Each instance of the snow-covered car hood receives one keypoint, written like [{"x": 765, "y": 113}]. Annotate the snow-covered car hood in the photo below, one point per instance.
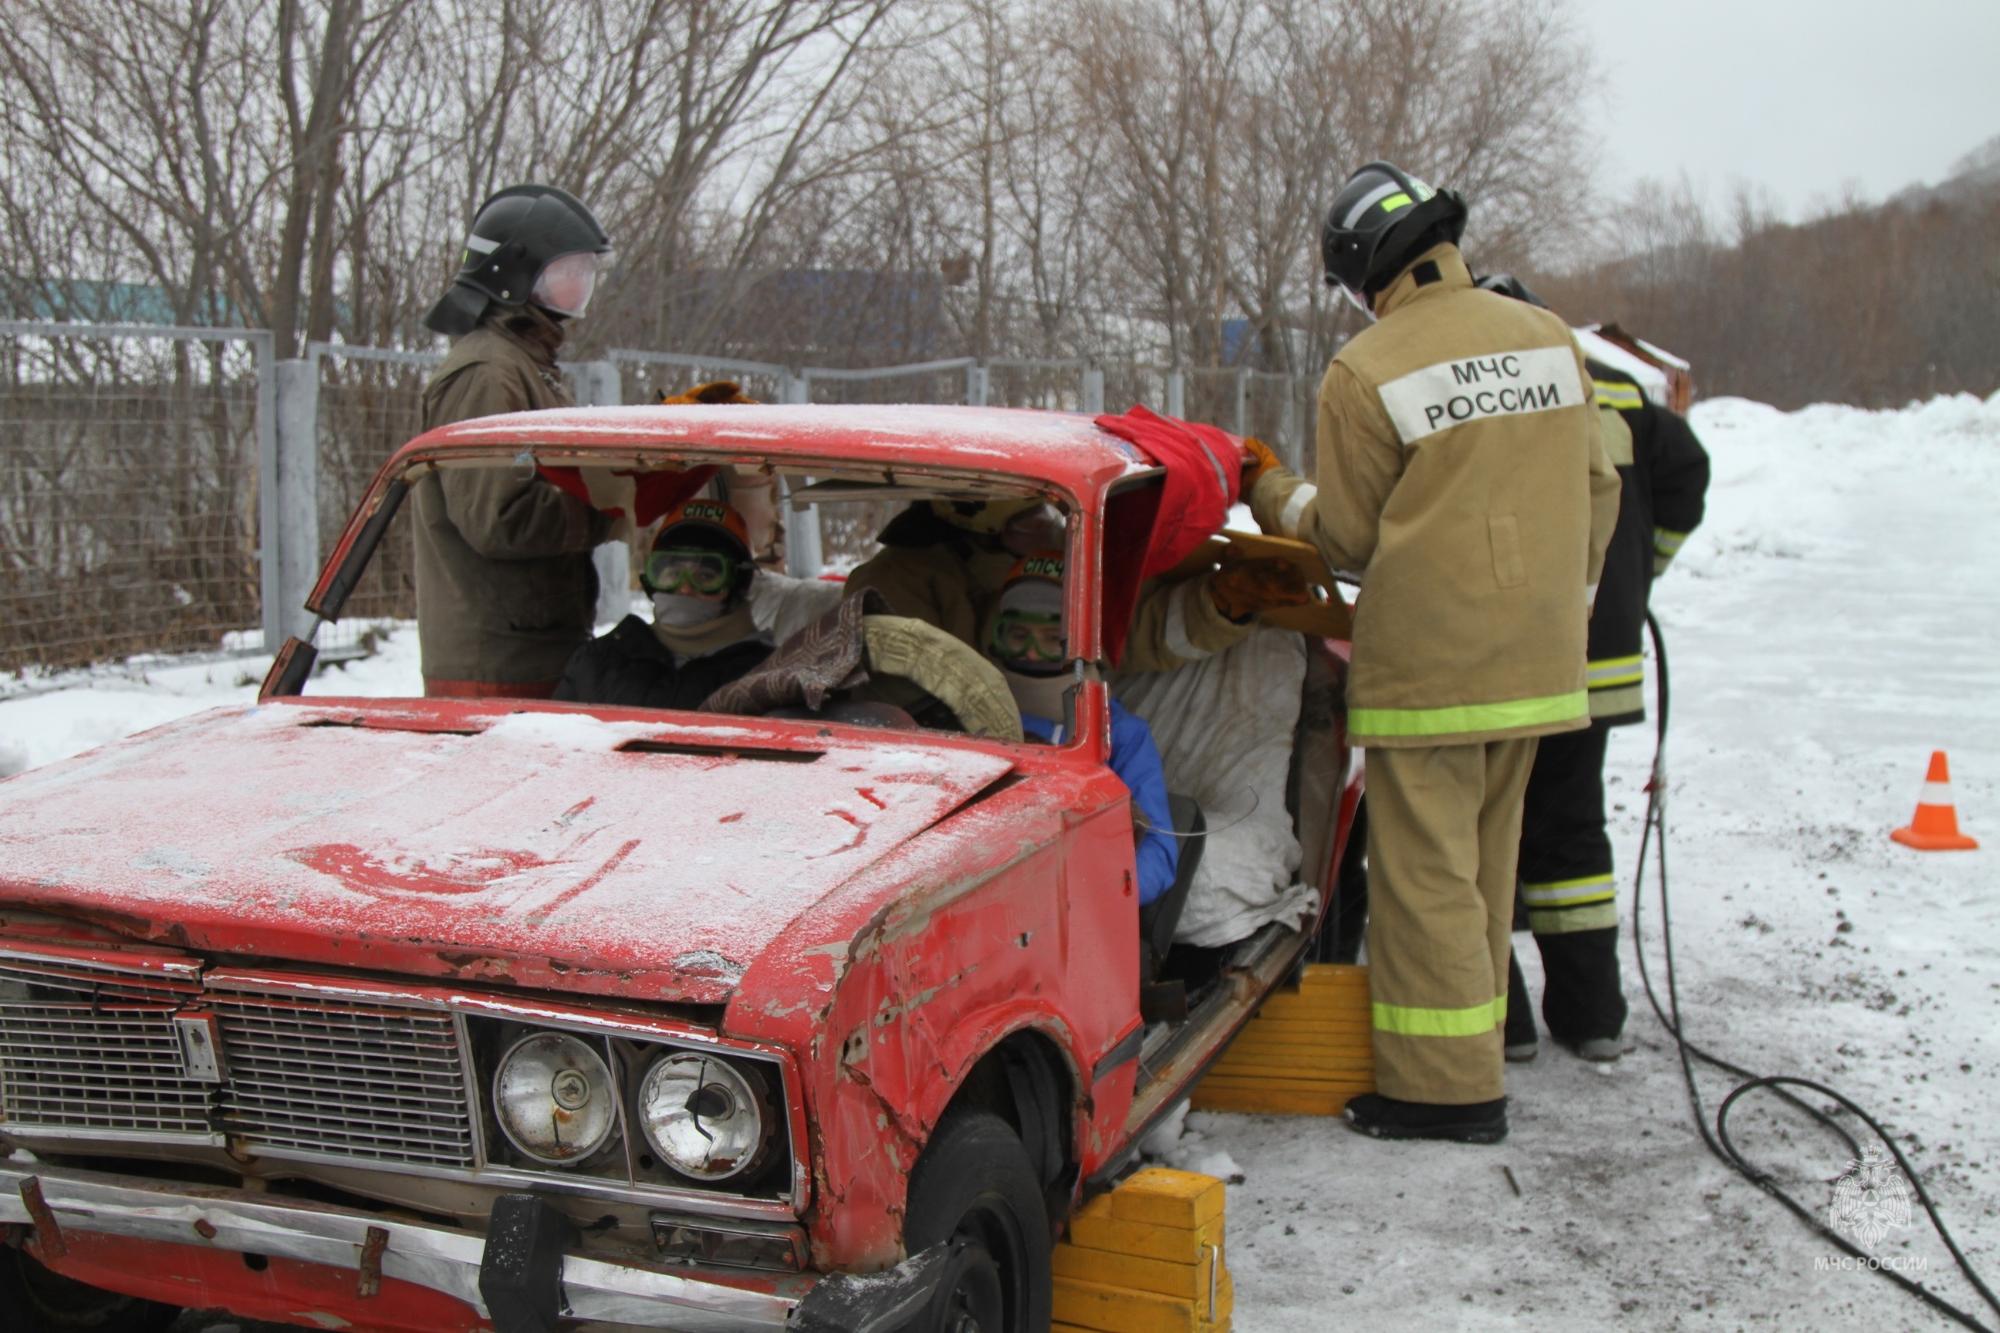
[{"x": 545, "y": 848}]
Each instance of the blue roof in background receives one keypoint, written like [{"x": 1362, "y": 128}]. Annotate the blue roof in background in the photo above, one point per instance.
[{"x": 87, "y": 301}]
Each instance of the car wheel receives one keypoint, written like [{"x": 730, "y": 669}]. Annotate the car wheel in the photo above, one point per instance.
[
  {"x": 974, "y": 1189},
  {"x": 34, "y": 1297}
]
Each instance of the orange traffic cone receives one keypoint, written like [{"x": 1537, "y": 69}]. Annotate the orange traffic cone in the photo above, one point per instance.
[{"x": 1934, "y": 828}]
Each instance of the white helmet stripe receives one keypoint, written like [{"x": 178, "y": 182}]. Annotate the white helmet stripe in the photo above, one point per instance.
[{"x": 1368, "y": 201}]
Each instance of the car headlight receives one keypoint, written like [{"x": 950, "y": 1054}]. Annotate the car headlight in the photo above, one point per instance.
[
  {"x": 552, "y": 1096},
  {"x": 706, "y": 1117}
]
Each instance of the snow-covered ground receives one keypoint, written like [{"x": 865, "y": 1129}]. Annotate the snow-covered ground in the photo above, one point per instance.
[{"x": 1831, "y": 624}]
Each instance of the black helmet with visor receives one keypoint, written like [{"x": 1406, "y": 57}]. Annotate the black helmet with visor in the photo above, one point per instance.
[
  {"x": 1381, "y": 220},
  {"x": 528, "y": 243}
]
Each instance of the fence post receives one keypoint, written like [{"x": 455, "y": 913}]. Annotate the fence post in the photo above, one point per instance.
[
  {"x": 1288, "y": 421},
  {"x": 1176, "y": 394},
  {"x": 977, "y": 385},
  {"x": 289, "y": 504},
  {"x": 1093, "y": 389},
  {"x": 803, "y": 558},
  {"x": 597, "y": 385}
]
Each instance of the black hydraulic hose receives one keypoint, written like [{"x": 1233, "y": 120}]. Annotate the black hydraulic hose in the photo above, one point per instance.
[{"x": 1717, "y": 1139}]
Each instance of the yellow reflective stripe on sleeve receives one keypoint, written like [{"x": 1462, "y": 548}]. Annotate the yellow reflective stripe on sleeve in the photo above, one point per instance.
[
  {"x": 1468, "y": 717},
  {"x": 1411, "y": 1021},
  {"x": 1569, "y": 920},
  {"x": 1624, "y": 397},
  {"x": 1571, "y": 892},
  {"x": 1609, "y": 671},
  {"x": 1667, "y": 542}
]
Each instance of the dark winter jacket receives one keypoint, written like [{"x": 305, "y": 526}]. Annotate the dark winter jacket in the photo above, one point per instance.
[
  {"x": 1135, "y": 758},
  {"x": 631, "y": 667},
  {"x": 506, "y": 591},
  {"x": 1664, "y": 472}
]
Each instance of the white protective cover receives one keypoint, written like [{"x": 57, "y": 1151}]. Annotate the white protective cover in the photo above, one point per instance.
[
  {"x": 781, "y": 605},
  {"x": 1224, "y": 727}
]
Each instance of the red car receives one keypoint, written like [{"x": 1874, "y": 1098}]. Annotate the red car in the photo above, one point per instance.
[{"x": 449, "y": 1014}]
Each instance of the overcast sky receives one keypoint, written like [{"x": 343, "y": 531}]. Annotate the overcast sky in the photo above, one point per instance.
[{"x": 1801, "y": 96}]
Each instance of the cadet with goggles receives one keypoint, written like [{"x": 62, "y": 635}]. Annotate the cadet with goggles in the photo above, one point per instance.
[{"x": 698, "y": 574}]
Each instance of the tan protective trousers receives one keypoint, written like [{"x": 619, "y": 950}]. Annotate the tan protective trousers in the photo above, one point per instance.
[{"x": 1444, "y": 831}]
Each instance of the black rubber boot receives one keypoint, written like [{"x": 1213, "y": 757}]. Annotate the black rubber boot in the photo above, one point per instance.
[
  {"x": 1583, "y": 1001},
  {"x": 1382, "y": 1117},
  {"x": 1522, "y": 1044}
]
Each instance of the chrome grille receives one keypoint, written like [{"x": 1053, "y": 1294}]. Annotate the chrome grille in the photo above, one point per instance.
[
  {"x": 342, "y": 1077},
  {"x": 90, "y": 1047}
]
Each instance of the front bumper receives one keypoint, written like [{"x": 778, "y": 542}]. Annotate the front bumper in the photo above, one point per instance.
[{"x": 444, "y": 1259}]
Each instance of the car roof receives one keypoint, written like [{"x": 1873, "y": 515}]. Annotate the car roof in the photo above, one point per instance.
[{"x": 1065, "y": 448}]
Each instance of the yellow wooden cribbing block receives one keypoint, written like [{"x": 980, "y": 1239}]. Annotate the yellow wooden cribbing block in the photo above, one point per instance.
[
  {"x": 1189, "y": 1282},
  {"x": 1306, "y": 1052},
  {"x": 1169, "y": 1198},
  {"x": 1095, "y": 1228},
  {"x": 1222, "y": 1327},
  {"x": 1107, "y": 1309}
]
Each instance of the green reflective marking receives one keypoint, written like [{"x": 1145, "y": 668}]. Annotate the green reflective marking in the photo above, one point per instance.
[
  {"x": 1413, "y": 1021},
  {"x": 1468, "y": 717}
]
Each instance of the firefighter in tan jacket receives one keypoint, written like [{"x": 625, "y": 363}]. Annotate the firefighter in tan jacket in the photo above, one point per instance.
[
  {"x": 506, "y": 590},
  {"x": 1462, "y": 473}
]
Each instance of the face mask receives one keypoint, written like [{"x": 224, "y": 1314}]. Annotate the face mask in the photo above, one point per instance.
[
  {"x": 683, "y": 612},
  {"x": 1039, "y": 696}
]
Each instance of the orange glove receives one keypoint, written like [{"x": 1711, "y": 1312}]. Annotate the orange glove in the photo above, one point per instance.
[
  {"x": 715, "y": 391},
  {"x": 1257, "y": 460},
  {"x": 1242, "y": 588}
]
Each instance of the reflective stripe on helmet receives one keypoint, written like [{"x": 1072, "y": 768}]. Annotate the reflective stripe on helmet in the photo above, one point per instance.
[{"x": 1379, "y": 195}]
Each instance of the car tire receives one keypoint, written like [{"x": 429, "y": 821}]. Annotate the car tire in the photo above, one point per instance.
[
  {"x": 36, "y": 1299},
  {"x": 975, "y": 1189}
]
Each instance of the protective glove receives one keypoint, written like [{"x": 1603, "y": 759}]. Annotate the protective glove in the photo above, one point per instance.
[
  {"x": 1242, "y": 588},
  {"x": 1257, "y": 460},
  {"x": 610, "y": 493},
  {"x": 715, "y": 391}
]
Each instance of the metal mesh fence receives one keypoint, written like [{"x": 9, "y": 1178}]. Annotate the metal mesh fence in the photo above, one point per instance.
[
  {"x": 130, "y": 463},
  {"x": 1127, "y": 385},
  {"x": 370, "y": 403},
  {"x": 643, "y": 376},
  {"x": 128, "y": 500},
  {"x": 1054, "y": 386},
  {"x": 930, "y": 382}
]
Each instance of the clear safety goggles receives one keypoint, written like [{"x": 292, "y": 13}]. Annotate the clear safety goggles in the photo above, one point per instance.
[
  {"x": 1025, "y": 636},
  {"x": 567, "y": 281},
  {"x": 704, "y": 572}
]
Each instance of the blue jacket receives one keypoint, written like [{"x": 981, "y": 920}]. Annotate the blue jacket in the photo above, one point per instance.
[{"x": 1136, "y": 761}]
